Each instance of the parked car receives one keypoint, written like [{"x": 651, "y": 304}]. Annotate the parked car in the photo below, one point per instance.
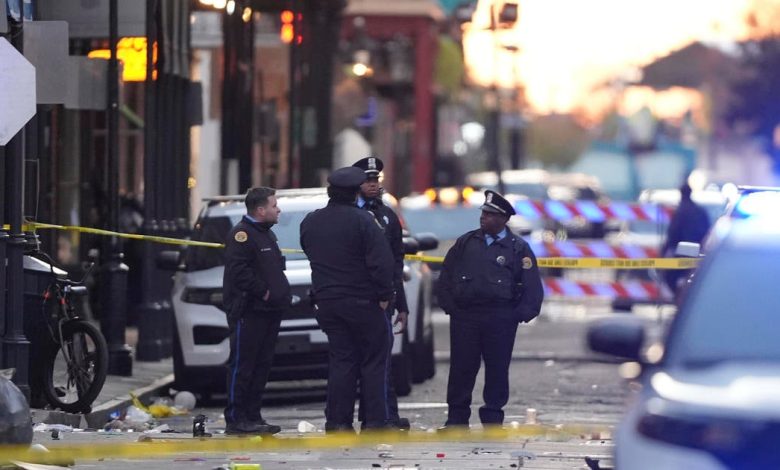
[
  {"x": 201, "y": 343},
  {"x": 710, "y": 392}
]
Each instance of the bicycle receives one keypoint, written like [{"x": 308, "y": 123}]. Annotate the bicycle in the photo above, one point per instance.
[{"x": 75, "y": 362}]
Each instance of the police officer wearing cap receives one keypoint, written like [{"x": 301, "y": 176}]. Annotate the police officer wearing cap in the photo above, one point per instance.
[
  {"x": 370, "y": 199},
  {"x": 352, "y": 286},
  {"x": 489, "y": 283},
  {"x": 256, "y": 293}
]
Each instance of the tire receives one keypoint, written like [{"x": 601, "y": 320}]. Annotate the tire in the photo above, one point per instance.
[
  {"x": 74, "y": 392},
  {"x": 401, "y": 369}
]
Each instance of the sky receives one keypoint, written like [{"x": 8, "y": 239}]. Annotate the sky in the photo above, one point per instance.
[{"x": 566, "y": 48}]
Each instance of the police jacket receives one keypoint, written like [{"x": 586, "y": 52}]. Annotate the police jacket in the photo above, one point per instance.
[
  {"x": 348, "y": 253},
  {"x": 391, "y": 227},
  {"x": 254, "y": 265},
  {"x": 503, "y": 276}
]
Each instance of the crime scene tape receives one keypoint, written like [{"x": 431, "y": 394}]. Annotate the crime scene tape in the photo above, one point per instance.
[
  {"x": 616, "y": 262},
  {"x": 590, "y": 249},
  {"x": 592, "y": 211},
  {"x": 151, "y": 446},
  {"x": 636, "y": 290}
]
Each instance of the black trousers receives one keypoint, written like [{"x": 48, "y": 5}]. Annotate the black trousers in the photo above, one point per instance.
[
  {"x": 358, "y": 333},
  {"x": 252, "y": 344},
  {"x": 474, "y": 337},
  {"x": 392, "y": 398}
]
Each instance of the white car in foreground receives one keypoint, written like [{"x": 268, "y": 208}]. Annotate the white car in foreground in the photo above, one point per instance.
[
  {"x": 710, "y": 395},
  {"x": 201, "y": 343}
]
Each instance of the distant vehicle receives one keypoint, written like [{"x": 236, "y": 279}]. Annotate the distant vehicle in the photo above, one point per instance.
[
  {"x": 541, "y": 185},
  {"x": 201, "y": 345},
  {"x": 710, "y": 394}
]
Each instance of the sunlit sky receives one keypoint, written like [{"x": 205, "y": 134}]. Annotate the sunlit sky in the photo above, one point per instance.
[{"x": 568, "y": 47}]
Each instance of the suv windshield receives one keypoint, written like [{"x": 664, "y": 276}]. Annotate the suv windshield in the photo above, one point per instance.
[
  {"x": 447, "y": 223},
  {"x": 215, "y": 230},
  {"x": 731, "y": 313}
]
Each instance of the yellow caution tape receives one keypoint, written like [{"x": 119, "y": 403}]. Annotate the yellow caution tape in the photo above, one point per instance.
[
  {"x": 594, "y": 263},
  {"x": 568, "y": 263},
  {"x": 159, "y": 445}
]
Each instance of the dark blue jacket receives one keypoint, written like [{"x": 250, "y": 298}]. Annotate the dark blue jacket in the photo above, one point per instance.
[
  {"x": 503, "y": 276},
  {"x": 391, "y": 226},
  {"x": 254, "y": 265},
  {"x": 348, "y": 253},
  {"x": 690, "y": 223}
]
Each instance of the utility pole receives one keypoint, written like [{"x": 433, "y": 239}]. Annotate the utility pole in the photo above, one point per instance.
[{"x": 113, "y": 298}]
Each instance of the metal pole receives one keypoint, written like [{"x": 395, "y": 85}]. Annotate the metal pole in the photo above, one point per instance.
[
  {"x": 151, "y": 311},
  {"x": 292, "y": 161},
  {"x": 114, "y": 273},
  {"x": 16, "y": 348}
]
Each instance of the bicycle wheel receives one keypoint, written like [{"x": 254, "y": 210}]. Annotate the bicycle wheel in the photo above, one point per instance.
[{"x": 75, "y": 372}]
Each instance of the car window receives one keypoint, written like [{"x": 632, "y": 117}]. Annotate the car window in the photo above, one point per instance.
[
  {"x": 212, "y": 230},
  {"x": 216, "y": 229},
  {"x": 447, "y": 223},
  {"x": 731, "y": 311}
]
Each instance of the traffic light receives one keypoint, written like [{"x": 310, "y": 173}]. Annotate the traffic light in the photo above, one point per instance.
[{"x": 288, "y": 32}]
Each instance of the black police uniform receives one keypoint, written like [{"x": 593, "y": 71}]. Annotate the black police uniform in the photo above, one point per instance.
[
  {"x": 391, "y": 227},
  {"x": 352, "y": 271},
  {"x": 254, "y": 265},
  {"x": 487, "y": 290}
]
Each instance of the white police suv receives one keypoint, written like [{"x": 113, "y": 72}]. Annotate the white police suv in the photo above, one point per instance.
[{"x": 201, "y": 343}]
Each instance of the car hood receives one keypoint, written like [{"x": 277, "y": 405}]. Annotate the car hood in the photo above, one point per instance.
[
  {"x": 739, "y": 386},
  {"x": 298, "y": 273}
]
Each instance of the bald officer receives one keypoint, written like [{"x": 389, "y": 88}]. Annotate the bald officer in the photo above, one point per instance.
[{"x": 489, "y": 283}]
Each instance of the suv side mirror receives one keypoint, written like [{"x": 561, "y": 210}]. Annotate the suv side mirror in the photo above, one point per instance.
[
  {"x": 427, "y": 241},
  {"x": 411, "y": 246},
  {"x": 168, "y": 260},
  {"x": 622, "y": 337}
]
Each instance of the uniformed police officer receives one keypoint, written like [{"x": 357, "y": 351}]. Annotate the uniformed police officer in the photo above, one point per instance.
[
  {"x": 370, "y": 199},
  {"x": 489, "y": 283},
  {"x": 256, "y": 293},
  {"x": 352, "y": 286}
]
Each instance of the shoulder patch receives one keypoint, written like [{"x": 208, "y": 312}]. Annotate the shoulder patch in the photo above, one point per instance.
[
  {"x": 240, "y": 236},
  {"x": 527, "y": 263}
]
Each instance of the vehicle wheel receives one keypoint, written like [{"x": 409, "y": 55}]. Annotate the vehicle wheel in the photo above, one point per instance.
[
  {"x": 424, "y": 364},
  {"x": 72, "y": 385},
  {"x": 401, "y": 369}
]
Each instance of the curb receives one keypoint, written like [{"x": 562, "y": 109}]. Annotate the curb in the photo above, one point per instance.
[
  {"x": 444, "y": 356},
  {"x": 99, "y": 415}
]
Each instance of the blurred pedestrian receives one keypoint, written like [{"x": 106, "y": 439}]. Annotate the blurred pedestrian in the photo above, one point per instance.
[
  {"x": 489, "y": 283},
  {"x": 256, "y": 293},
  {"x": 690, "y": 223},
  {"x": 352, "y": 287},
  {"x": 370, "y": 199}
]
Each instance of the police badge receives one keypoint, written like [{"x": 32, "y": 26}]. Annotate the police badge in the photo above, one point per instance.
[{"x": 501, "y": 260}]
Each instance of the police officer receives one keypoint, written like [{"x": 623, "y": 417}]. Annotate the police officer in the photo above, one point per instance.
[
  {"x": 256, "y": 293},
  {"x": 352, "y": 286},
  {"x": 489, "y": 283},
  {"x": 370, "y": 199}
]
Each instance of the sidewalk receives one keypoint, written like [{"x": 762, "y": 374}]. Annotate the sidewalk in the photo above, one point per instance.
[{"x": 147, "y": 380}]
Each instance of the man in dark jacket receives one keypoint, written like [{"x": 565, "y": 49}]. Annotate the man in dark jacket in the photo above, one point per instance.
[
  {"x": 256, "y": 293},
  {"x": 489, "y": 283},
  {"x": 352, "y": 284},
  {"x": 690, "y": 223},
  {"x": 370, "y": 199}
]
